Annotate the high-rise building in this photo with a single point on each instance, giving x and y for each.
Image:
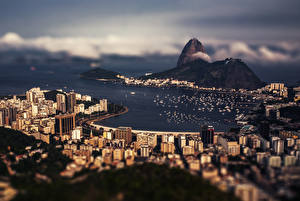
(276, 86)
(107, 135)
(289, 142)
(272, 112)
(76, 133)
(198, 145)
(273, 139)
(7, 116)
(64, 124)
(2, 117)
(191, 141)
(29, 96)
(290, 160)
(129, 153)
(71, 102)
(34, 110)
(205, 159)
(107, 158)
(274, 161)
(243, 139)
(144, 150)
(141, 139)
(278, 146)
(168, 138)
(35, 95)
(187, 150)
(124, 133)
(146, 138)
(167, 147)
(61, 103)
(101, 142)
(246, 192)
(207, 134)
(230, 145)
(103, 105)
(12, 114)
(261, 157)
(181, 141)
(79, 108)
(118, 154)
(254, 141)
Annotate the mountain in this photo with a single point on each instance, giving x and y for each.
(100, 73)
(194, 65)
(190, 51)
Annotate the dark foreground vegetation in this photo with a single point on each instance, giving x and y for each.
(141, 182)
(292, 112)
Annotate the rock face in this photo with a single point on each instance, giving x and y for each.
(193, 47)
(193, 66)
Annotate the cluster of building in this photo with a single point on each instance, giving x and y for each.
(297, 94)
(67, 103)
(269, 91)
(258, 162)
(213, 155)
(278, 89)
(7, 192)
(168, 82)
(46, 118)
(159, 82)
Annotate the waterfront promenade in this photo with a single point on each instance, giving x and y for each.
(106, 128)
(175, 133)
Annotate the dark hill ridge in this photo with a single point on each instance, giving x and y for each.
(228, 73)
(100, 73)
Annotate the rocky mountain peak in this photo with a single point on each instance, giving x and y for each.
(192, 48)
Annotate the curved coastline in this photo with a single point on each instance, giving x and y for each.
(106, 128)
(107, 116)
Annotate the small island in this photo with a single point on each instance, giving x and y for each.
(100, 74)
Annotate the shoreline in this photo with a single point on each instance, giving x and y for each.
(199, 88)
(107, 116)
(91, 122)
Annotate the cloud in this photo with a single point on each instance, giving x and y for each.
(282, 52)
(12, 38)
(94, 47)
(201, 55)
(267, 54)
(90, 47)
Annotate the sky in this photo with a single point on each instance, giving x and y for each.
(262, 32)
(249, 20)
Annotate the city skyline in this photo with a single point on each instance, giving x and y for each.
(264, 143)
(150, 100)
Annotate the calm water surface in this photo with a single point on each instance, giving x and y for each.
(149, 108)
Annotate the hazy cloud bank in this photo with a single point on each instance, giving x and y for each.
(263, 54)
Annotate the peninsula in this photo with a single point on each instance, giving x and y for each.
(100, 74)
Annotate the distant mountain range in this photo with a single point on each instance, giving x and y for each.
(194, 65)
